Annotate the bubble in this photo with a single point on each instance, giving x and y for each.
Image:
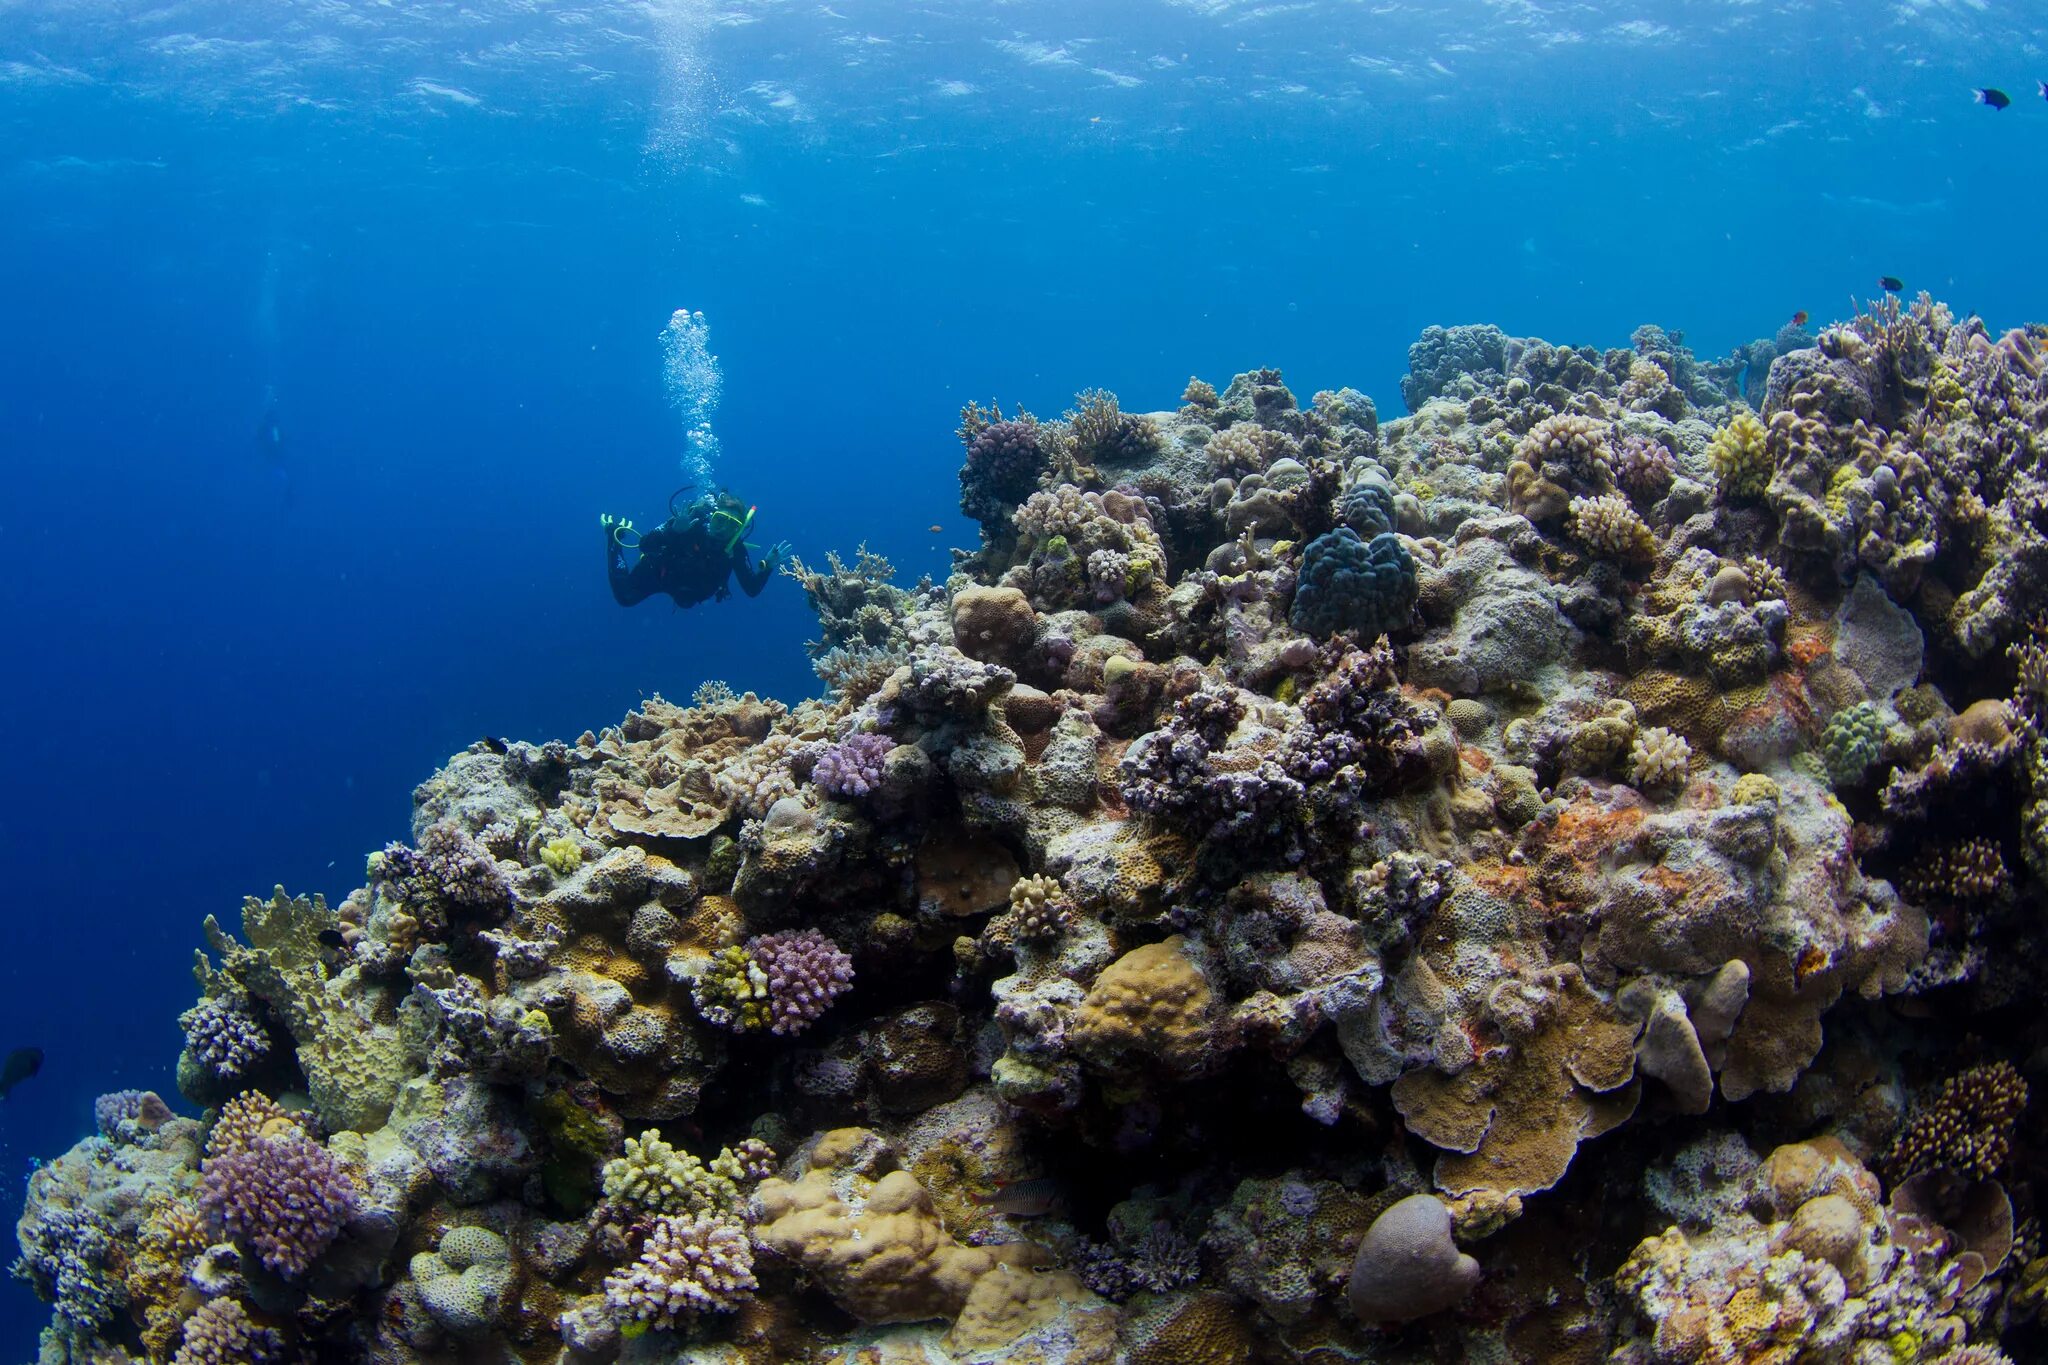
(694, 381)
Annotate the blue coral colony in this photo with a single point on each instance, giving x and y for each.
(1227, 920)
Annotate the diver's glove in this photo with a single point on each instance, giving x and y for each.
(778, 552)
(613, 526)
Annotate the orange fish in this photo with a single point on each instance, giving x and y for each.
(938, 530)
(1799, 318)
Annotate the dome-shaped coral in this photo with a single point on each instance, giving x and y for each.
(1347, 583)
(1852, 742)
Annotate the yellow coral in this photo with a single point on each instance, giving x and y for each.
(874, 1242)
(563, 855)
(1740, 458)
(655, 1177)
(1151, 1002)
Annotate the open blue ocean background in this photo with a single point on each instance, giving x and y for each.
(439, 244)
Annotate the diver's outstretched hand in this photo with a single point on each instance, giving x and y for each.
(613, 525)
(778, 552)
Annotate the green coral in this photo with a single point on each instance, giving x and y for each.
(733, 991)
(577, 1141)
(1741, 457)
(655, 1177)
(353, 1063)
(563, 855)
(1852, 742)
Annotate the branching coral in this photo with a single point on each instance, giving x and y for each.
(700, 1263)
(1658, 759)
(1608, 526)
(781, 982)
(280, 1192)
(1741, 457)
(224, 1036)
(1004, 460)
(1966, 1126)
(852, 768)
(220, 1332)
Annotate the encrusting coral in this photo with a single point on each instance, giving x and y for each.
(1305, 888)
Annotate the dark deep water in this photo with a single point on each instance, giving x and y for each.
(450, 262)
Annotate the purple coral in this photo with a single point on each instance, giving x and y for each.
(144, 1108)
(853, 767)
(702, 1263)
(285, 1195)
(449, 871)
(225, 1036)
(1644, 468)
(806, 972)
(1003, 464)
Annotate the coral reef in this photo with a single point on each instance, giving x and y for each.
(1306, 888)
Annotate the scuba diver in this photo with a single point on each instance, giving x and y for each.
(691, 555)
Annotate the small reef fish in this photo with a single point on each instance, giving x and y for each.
(937, 530)
(1994, 97)
(1891, 284)
(21, 1064)
(495, 745)
(1799, 318)
(1024, 1198)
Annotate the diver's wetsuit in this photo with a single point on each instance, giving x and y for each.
(682, 560)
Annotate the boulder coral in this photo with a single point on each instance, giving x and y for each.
(1552, 876)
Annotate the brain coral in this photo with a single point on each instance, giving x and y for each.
(464, 1283)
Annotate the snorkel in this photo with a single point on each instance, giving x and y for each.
(741, 525)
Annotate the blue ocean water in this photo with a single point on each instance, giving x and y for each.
(327, 330)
